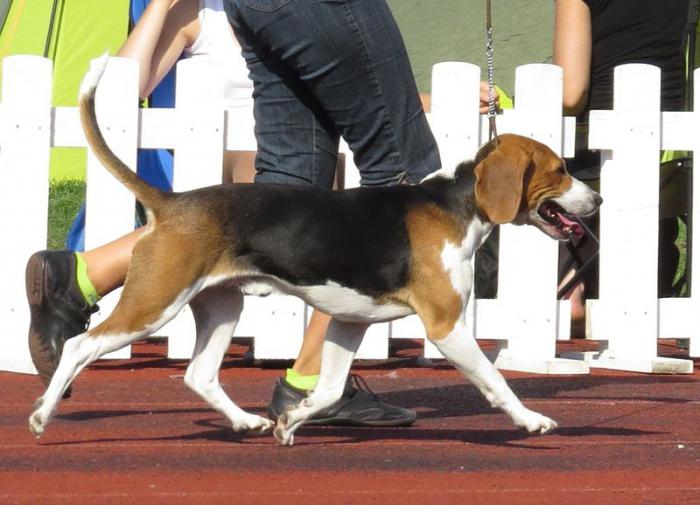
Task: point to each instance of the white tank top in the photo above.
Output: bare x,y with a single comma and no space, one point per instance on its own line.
217,42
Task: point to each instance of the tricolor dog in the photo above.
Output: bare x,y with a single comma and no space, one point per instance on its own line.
363,255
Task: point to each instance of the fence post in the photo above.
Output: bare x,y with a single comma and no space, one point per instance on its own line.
199,148
454,120
109,206
694,336
680,317
526,313
25,136
454,114
626,314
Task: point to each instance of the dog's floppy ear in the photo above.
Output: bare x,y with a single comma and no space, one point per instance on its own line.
499,184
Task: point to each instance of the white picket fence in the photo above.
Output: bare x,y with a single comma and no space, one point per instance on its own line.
526,317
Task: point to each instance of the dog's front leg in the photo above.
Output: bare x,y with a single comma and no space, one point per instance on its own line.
464,353
339,348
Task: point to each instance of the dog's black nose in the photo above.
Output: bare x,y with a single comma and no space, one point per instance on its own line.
598,200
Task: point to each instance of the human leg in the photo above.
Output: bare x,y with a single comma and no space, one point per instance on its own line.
297,142
107,265
338,353
322,69
346,63
239,166
62,289
357,406
140,311
309,360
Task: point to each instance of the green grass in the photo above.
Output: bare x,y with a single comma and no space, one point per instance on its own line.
65,198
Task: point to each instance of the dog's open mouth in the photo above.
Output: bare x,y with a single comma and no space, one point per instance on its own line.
556,216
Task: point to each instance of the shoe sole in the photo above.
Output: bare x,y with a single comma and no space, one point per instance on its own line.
34,280
339,421
343,421
35,287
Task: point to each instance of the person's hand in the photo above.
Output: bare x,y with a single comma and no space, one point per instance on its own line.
484,98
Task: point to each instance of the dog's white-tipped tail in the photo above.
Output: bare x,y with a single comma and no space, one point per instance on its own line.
93,75
149,196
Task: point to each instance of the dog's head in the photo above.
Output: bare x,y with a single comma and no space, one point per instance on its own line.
521,181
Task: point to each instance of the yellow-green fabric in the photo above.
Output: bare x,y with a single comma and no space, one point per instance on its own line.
504,101
87,28
84,283
672,155
26,28
81,30
303,382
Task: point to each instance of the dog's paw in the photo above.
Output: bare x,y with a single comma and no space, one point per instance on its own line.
283,435
253,424
535,422
37,423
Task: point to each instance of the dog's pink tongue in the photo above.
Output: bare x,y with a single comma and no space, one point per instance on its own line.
572,226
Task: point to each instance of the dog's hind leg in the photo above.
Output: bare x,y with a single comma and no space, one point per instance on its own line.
141,310
79,352
216,312
342,341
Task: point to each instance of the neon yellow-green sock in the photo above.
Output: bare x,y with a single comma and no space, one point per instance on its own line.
304,382
84,282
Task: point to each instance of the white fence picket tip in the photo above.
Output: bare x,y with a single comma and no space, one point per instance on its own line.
526,314
626,315
109,205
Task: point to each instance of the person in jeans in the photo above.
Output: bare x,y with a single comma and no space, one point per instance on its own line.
319,71
322,70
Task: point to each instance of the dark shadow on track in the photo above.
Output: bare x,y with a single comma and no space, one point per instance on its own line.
218,431
461,400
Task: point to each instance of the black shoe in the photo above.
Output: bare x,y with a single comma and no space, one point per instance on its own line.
358,406
58,309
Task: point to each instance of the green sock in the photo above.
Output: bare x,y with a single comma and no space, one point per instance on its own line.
299,381
84,282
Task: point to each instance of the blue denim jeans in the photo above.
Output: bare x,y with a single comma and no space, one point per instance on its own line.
326,68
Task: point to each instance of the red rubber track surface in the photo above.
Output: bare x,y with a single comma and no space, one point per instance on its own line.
132,433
